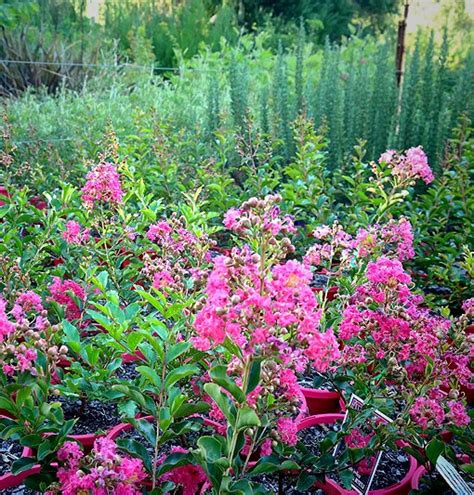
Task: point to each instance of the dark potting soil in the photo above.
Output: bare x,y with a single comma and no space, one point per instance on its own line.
96,416
10,451
128,372
312,437
319,280
283,484
19,490
434,484
393,466
311,379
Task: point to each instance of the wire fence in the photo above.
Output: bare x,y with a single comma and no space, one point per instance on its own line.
106,66
115,66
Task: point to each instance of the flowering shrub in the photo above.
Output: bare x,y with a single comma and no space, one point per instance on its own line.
103,471
262,310
31,352
155,317
417,361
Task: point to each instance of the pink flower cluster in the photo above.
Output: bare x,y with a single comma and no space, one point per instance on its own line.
74,234
430,413
262,215
260,313
178,256
386,330
103,472
267,308
190,477
393,239
6,327
409,166
62,292
335,246
468,307
21,340
102,186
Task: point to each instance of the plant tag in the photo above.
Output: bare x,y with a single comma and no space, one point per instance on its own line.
452,477
363,474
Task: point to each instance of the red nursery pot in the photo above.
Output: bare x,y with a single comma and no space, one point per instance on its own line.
38,202
331,292
322,401
9,480
415,481
5,194
114,432
132,358
330,487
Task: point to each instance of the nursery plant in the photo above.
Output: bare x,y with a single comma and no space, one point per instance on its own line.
124,296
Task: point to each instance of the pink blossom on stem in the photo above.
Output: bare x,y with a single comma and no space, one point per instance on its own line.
102,186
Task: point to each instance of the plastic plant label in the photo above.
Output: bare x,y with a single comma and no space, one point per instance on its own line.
452,477
364,473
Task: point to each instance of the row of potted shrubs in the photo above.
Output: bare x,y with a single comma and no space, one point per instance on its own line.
246,348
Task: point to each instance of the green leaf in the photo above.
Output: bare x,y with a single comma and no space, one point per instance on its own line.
218,375
136,449
188,409
265,467
45,449
212,448
179,373
154,301
146,428
150,374
71,332
32,440
23,464
305,481
254,377
100,280
177,350
434,450
222,401
133,339
346,477
247,418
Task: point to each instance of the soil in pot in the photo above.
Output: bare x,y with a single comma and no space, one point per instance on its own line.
433,483
128,372
311,379
92,417
10,451
392,468
319,280
284,484
313,436
19,490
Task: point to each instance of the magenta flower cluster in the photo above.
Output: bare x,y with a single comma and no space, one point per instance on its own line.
386,330
64,293
75,234
102,186
103,472
24,333
409,166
